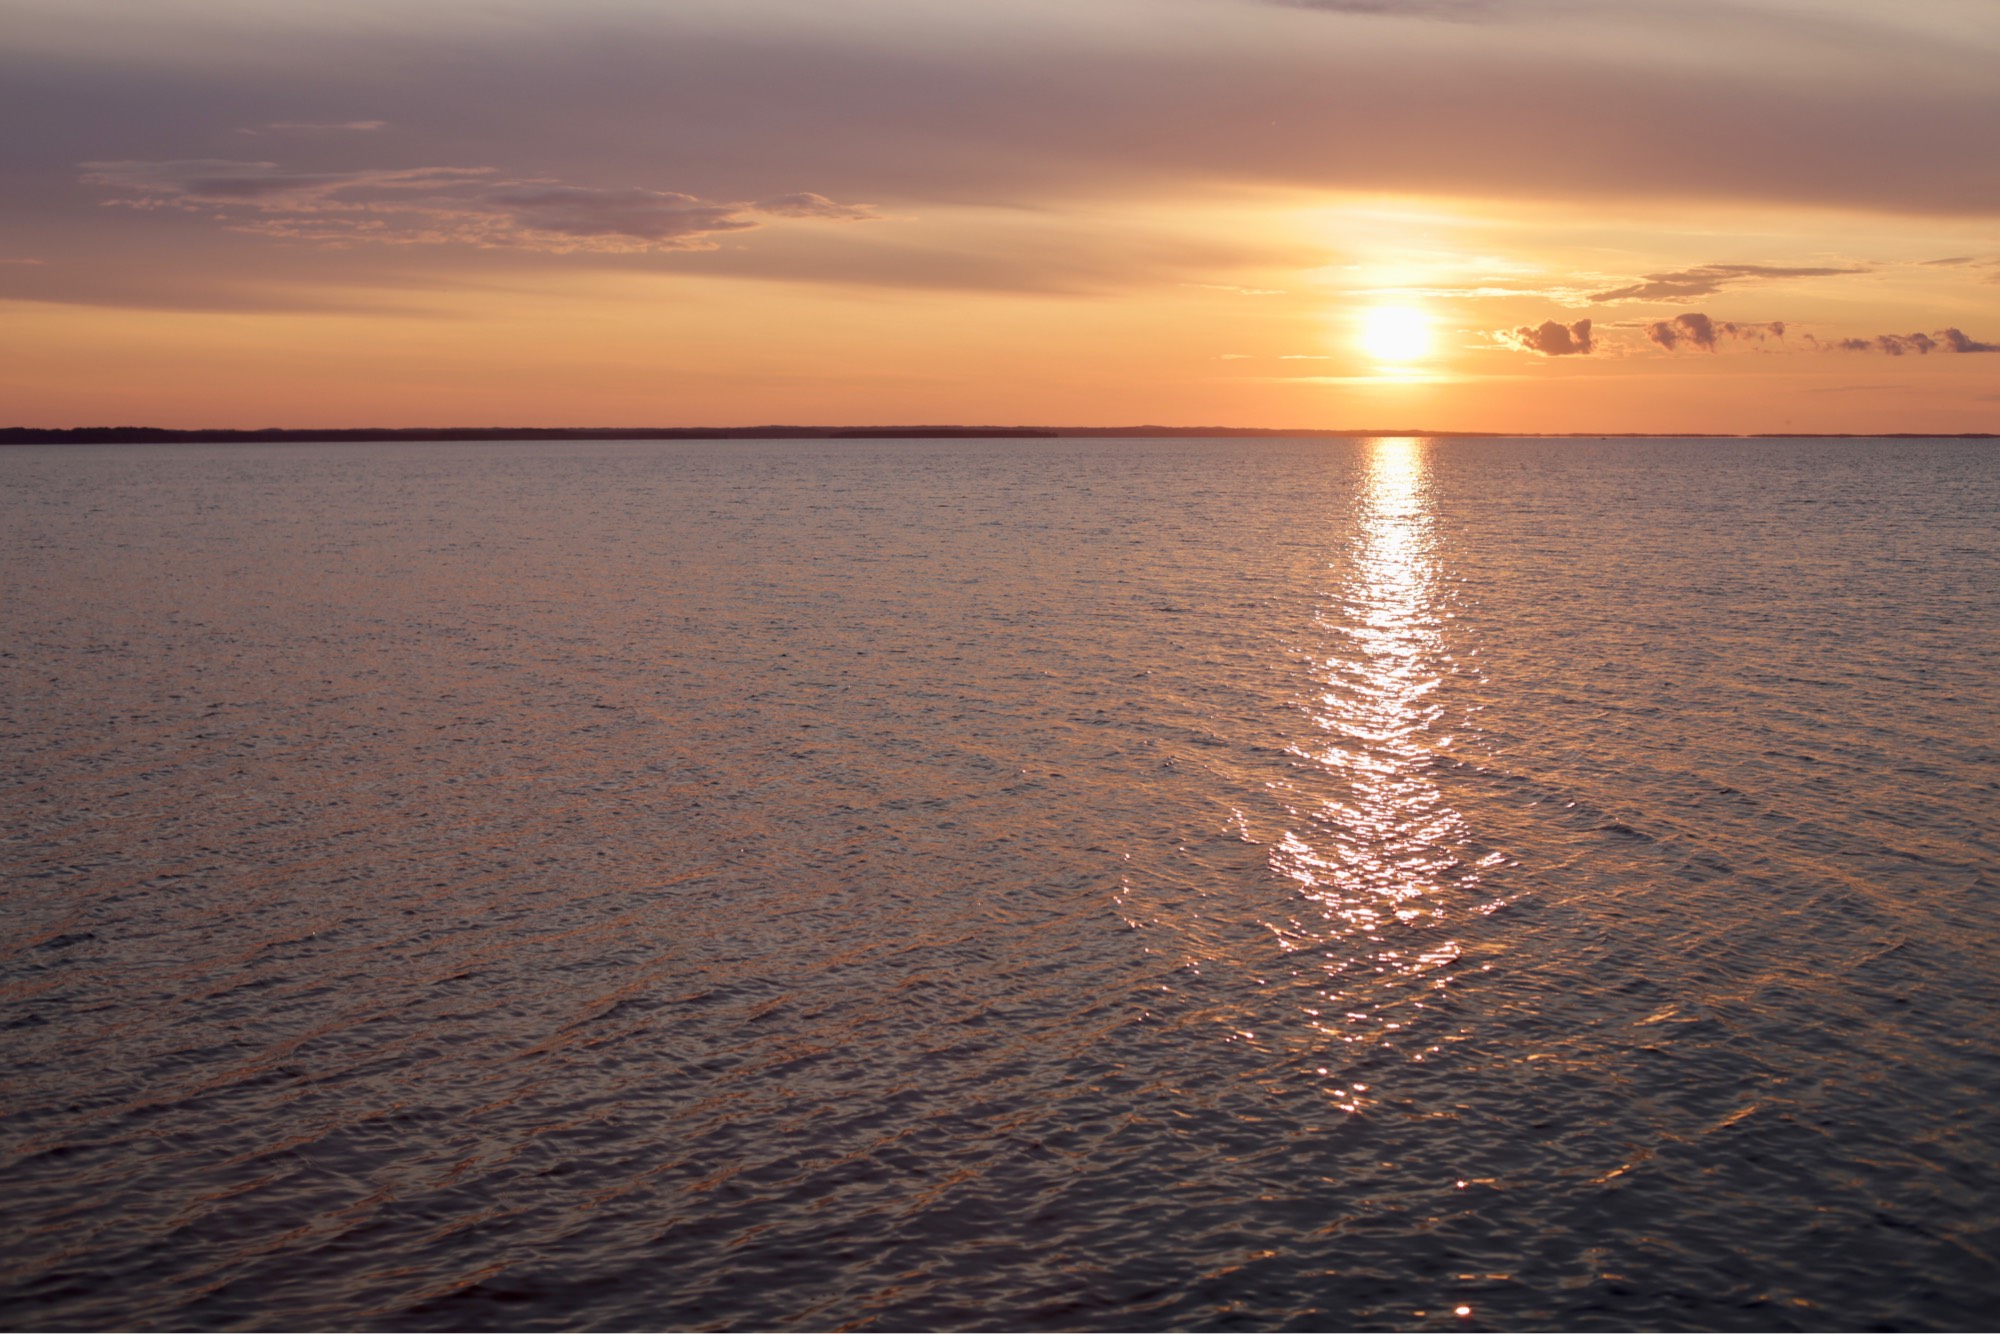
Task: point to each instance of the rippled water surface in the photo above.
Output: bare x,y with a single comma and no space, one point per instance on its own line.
1019,884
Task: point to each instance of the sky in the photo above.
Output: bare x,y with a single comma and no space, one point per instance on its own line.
1481,215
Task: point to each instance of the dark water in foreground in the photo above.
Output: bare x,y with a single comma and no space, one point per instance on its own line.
1221,884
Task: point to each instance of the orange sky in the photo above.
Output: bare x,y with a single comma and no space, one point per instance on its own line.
1553,215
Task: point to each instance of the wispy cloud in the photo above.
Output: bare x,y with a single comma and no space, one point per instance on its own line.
1551,338
317,127
806,204
437,205
1042,102
1708,279
1239,291
1459,10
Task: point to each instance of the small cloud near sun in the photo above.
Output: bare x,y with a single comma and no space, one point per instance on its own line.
1550,339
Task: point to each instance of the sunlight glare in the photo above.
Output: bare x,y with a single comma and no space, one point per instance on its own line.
1396,333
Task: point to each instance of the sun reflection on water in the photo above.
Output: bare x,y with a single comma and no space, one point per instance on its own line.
1378,857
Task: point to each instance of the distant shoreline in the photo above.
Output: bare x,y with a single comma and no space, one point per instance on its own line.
144,435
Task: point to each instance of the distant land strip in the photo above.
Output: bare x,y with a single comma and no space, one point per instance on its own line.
146,435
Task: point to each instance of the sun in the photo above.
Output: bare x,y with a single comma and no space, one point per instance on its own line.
1396,333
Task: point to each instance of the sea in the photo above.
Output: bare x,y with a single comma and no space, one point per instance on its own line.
1011,884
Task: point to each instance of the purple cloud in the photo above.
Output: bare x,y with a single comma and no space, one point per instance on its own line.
1694,329
432,205
1897,344
317,126
1057,101
1754,333
1430,9
1551,338
1956,340
1923,344
806,204
658,216
1708,279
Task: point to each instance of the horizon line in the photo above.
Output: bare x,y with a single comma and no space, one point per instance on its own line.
30,435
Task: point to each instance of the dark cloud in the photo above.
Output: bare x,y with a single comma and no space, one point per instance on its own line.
1755,333
1708,279
1957,341
1694,329
1552,338
430,205
1922,344
1897,344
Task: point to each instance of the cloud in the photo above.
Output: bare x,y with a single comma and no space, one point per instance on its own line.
806,204
1551,338
185,182
1239,291
656,217
1694,329
1462,10
1708,279
1036,104
316,126
434,205
1755,333
1958,342
1922,344
1897,344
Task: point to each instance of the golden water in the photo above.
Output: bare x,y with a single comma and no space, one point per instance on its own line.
1030,883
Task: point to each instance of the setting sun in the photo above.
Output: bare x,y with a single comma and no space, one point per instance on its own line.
1396,333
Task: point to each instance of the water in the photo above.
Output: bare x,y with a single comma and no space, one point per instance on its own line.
1008,884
